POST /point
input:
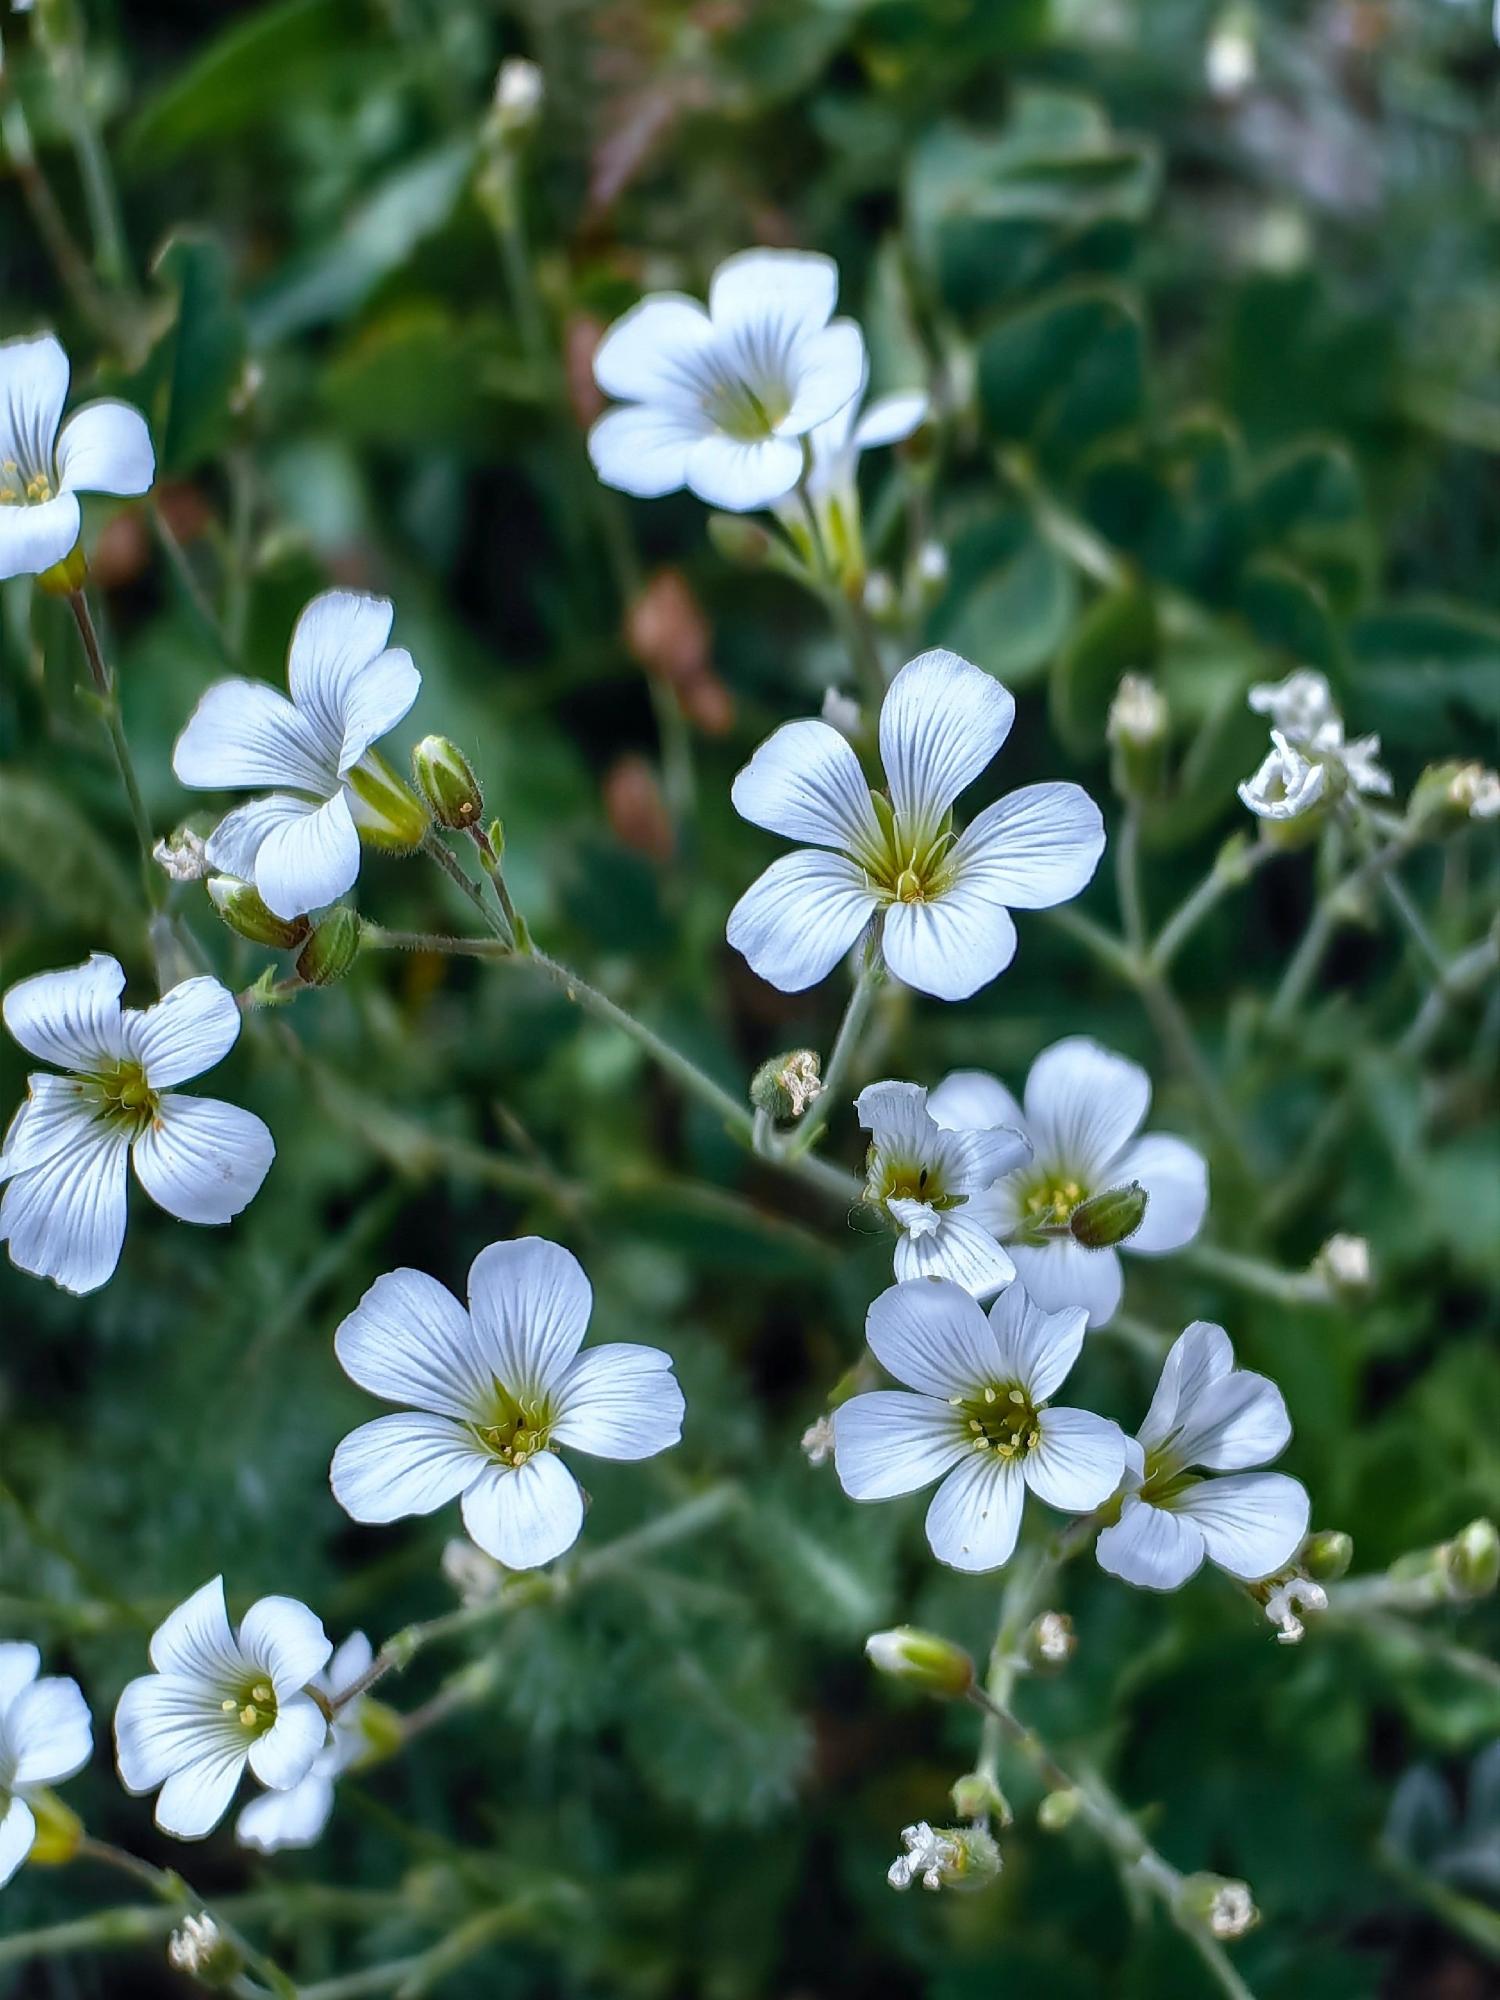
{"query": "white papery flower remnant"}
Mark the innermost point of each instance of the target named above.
(328, 786)
(942, 899)
(1083, 1107)
(934, 1185)
(492, 1394)
(1293, 1596)
(1206, 1416)
(63, 1213)
(1310, 760)
(45, 464)
(976, 1416)
(720, 400)
(46, 1735)
(296, 1817)
(220, 1699)
(944, 1857)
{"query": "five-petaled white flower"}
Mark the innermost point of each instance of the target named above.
(978, 1419)
(935, 1184)
(1309, 759)
(46, 1735)
(494, 1392)
(218, 1700)
(63, 1213)
(104, 447)
(943, 902)
(300, 846)
(1210, 1414)
(1084, 1106)
(296, 1817)
(720, 401)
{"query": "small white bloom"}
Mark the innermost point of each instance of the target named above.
(836, 448)
(932, 565)
(519, 90)
(1310, 759)
(1344, 1262)
(295, 1817)
(1286, 785)
(493, 1393)
(842, 712)
(300, 846)
(46, 1735)
(182, 856)
(817, 1441)
(1295, 1594)
(1206, 1413)
(1084, 1107)
(1476, 791)
(63, 1213)
(934, 1184)
(1300, 706)
(218, 1700)
(976, 1416)
(720, 400)
(943, 902)
(1138, 715)
(879, 595)
(104, 447)
(1229, 63)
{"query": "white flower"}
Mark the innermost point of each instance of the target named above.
(945, 1857)
(296, 1817)
(300, 846)
(494, 1392)
(1084, 1106)
(1300, 706)
(934, 1185)
(943, 902)
(1294, 1594)
(1474, 790)
(835, 448)
(104, 447)
(1286, 785)
(63, 1213)
(218, 1700)
(1309, 758)
(1206, 1413)
(719, 401)
(978, 1419)
(45, 1736)
(817, 1441)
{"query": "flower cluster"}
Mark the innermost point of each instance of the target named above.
(1311, 762)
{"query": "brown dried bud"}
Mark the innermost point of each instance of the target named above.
(668, 634)
(635, 809)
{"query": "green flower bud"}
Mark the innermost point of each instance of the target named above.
(1219, 1904)
(923, 1660)
(787, 1084)
(381, 1729)
(519, 94)
(1326, 1556)
(240, 905)
(387, 812)
(446, 780)
(1050, 1642)
(1448, 794)
(332, 948)
(977, 1796)
(201, 1950)
(1137, 729)
(1059, 1810)
(59, 1830)
(1472, 1560)
(740, 541)
(1109, 1218)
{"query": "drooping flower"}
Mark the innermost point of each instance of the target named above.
(1084, 1107)
(220, 1699)
(976, 1416)
(492, 1394)
(46, 1735)
(935, 1184)
(1210, 1415)
(63, 1213)
(104, 447)
(328, 786)
(720, 400)
(1310, 759)
(296, 1817)
(943, 902)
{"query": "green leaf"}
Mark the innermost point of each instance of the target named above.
(1008, 610)
(195, 366)
(1117, 635)
(70, 869)
(1064, 373)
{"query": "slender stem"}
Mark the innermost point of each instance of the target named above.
(1128, 881)
(192, 589)
(375, 937)
(436, 848)
(111, 257)
(109, 704)
(1470, 973)
(1096, 940)
(1326, 918)
(1203, 900)
(68, 260)
(1253, 1274)
(171, 1888)
(845, 1046)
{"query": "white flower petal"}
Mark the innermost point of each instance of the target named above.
(286, 1753)
(17, 1832)
(65, 1219)
(968, 1100)
(1252, 1524)
(951, 947)
(974, 1161)
(889, 1442)
(895, 1116)
(1033, 848)
(1079, 1462)
(960, 1248)
(828, 372)
(889, 419)
(1037, 1348)
(245, 734)
(292, 1818)
(71, 1018)
(805, 782)
(1200, 1355)
(1151, 1548)
(167, 1722)
(190, 1028)
(33, 389)
(20, 1663)
(621, 1402)
(195, 1640)
(525, 1516)
(741, 474)
(1237, 1421)
(658, 352)
(1062, 1273)
(105, 447)
(530, 1303)
(50, 1732)
(778, 294)
(797, 921)
(1175, 1179)
(193, 1800)
(33, 538)
(975, 1514)
(409, 1463)
(306, 860)
(350, 1662)
(56, 1113)
(1083, 1106)
(286, 1639)
(934, 1337)
(410, 1341)
(203, 1160)
(343, 678)
(941, 722)
(642, 449)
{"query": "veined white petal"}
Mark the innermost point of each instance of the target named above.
(805, 782)
(1083, 1106)
(286, 1753)
(959, 1248)
(1175, 1179)
(530, 1303)
(779, 294)
(105, 447)
(741, 474)
(350, 1661)
(658, 352)
(244, 734)
(50, 1732)
(282, 1636)
(410, 1341)
(895, 1116)
(526, 1515)
(194, 1799)
(71, 1018)
(796, 922)
(33, 538)
(889, 1442)
(293, 1818)
(975, 1160)
(17, 1832)
(308, 858)
(952, 946)
(975, 1514)
(56, 1113)
(620, 1401)
(1079, 1462)
(933, 1336)
(65, 1219)
(889, 419)
(33, 389)
(827, 373)
(196, 1641)
(941, 722)
(1033, 848)
(1037, 1347)
(409, 1463)
(20, 1663)
(203, 1160)
(968, 1100)
(343, 678)
(1252, 1523)
(1198, 1357)
(1062, 1273)
(1151, 1548)
(1237, 1421)
(642, 449)
(168, 1722)
(192, 1027)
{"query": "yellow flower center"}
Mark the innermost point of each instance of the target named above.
(125, 1098)
(907, 864)
(1050, 1202)
(252, 1706)
(517, 1430)
(1001, 1418)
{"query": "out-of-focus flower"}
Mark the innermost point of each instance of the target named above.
(295, 1817)
(200, 1949)
(63, 1213)
(1344, 1263)
(975, 1416)
(1310, 759)
(817, 1441)
(1229, 62)
(1294, 1595)
(842, 712)
(636, 811)
(943, 901)
(945, 1857)
(182, 856)
(836, 447)
(46, 1735)
(667, 632)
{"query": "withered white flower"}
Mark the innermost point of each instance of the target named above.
(46, 1735)
(1310, 759)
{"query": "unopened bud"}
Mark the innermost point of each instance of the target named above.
(1452, 792)
(382, 1731)
(1224, 1907)
(385, 809)
(744, 543)
(923, 1660)
(519, 95)
(1472, 1559)
(242, 908)
(1343, 1264)
(1050, 1642)
(201, 1950)
(879, 596)
(59, 1830)
(332, 948)
(1137, 730)
(1109, 1218)
(445, 778)
(1059, 1810)
(976, 1796)
(945, 1857)
(1326, 1555)
(787, 1084)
